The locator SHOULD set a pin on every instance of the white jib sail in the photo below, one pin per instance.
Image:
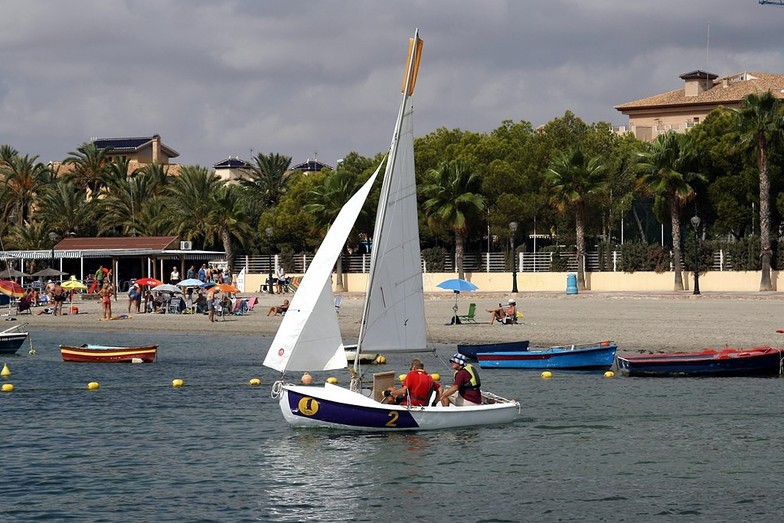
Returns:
(309, 336)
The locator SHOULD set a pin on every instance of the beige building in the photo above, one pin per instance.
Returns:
(701, 93)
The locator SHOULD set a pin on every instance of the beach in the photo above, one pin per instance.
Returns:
(657, 322)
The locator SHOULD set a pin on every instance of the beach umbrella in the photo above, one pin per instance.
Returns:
(166, 287)
(11, 288)
(457, 285)
(225, 287)
(13, 273)
(190, 282)
(73, 285)
(208, 284)
(48, 273)
(152, 282)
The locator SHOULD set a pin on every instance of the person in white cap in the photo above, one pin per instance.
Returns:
(501, 313)
(466, 390)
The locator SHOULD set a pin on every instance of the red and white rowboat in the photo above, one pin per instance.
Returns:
(103, 353)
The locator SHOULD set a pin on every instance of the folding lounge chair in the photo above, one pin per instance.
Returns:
(469, 318)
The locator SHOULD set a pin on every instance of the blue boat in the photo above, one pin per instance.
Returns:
(759, 361)
(587, 356)
(471, 350)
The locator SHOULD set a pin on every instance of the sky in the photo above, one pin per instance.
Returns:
(320, 79)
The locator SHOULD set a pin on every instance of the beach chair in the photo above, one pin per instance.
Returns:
(470, 317)
(175, 306)
(338, 301)
(252, 303)
(293, 285)
(240, 307)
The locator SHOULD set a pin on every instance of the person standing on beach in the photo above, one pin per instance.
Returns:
(106, 300)
(213, 302)
(466, 388)
(174, 277)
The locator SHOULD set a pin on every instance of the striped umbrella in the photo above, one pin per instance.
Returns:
(11, 288)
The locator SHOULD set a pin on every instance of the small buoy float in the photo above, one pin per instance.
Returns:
(177, 383)
(402, 377)
(609, 374)
(547, 375)
(332, 380)
(254, 382)
(8, 387)
(93, 385)
(381, 359)
(436, 376)
(137, 360)
(6, 371)
(306, 379)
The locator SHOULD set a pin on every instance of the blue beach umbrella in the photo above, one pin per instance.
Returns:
(457, 285)
(190, 282)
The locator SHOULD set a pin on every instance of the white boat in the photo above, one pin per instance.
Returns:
(393, 318)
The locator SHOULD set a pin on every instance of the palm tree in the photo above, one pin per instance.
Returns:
(24, 177)
(267, 177)
(189, 202)
(227, 221)
(573, 177)
(762, 126)
(64, 208)
(451, 198)
(664, 174)
(327, 200)
(131, 204)
(90, 166)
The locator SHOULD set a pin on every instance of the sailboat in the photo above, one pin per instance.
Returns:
(393, 318)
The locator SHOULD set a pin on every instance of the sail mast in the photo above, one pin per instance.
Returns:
(409, 83)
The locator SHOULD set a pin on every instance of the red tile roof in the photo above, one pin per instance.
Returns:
(103, 243)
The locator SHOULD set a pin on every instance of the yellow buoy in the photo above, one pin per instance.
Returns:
(381, 359)
(402, 377)
(609, 374)
(436, 376)
(8, 387)
(332, 380)
(6, 371)
(93, 385)
(177, 383)
(306, 379)
(547, 375)
(254, 382)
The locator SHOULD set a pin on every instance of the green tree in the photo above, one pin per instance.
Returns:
(664, 168)
(573, 176)
(189, 201)
(452, 195)
(268, 177)
(227, 221)
(762, 127)
(64, 209)
(89, 168)
(24, 177)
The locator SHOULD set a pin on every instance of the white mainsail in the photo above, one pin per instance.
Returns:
(309, 336)
(394, 316)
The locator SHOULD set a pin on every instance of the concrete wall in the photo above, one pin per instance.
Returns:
(727, 281)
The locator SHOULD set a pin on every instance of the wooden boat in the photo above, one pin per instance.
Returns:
(759, 361)
(471, 350)
(588, 356)
(103, 353)
(12, 338)
(393, 319)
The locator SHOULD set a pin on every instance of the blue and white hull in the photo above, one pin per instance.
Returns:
(332, 406)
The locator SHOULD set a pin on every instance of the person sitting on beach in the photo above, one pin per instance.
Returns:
(466, 388)
(501, 312)
(416, 389)
(278, 309)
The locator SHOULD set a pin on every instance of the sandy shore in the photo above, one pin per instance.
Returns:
(637, 322)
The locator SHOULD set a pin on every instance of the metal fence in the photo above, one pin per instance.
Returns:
(472, 262)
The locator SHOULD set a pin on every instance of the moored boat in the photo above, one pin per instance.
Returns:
(471, 350)
(12, 338)
(587, 356)
(103, 353)
(759, 361)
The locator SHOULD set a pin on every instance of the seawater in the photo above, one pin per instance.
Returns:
(586, 448)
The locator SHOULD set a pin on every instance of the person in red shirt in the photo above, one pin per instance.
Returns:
(416, 389)
(466, 388)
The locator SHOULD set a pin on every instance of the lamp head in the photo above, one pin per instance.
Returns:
(695, 222)
(513, 226)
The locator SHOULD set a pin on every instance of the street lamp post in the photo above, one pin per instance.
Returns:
(695, 222)
(52, 238)
(269, 245)
(513, 229)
